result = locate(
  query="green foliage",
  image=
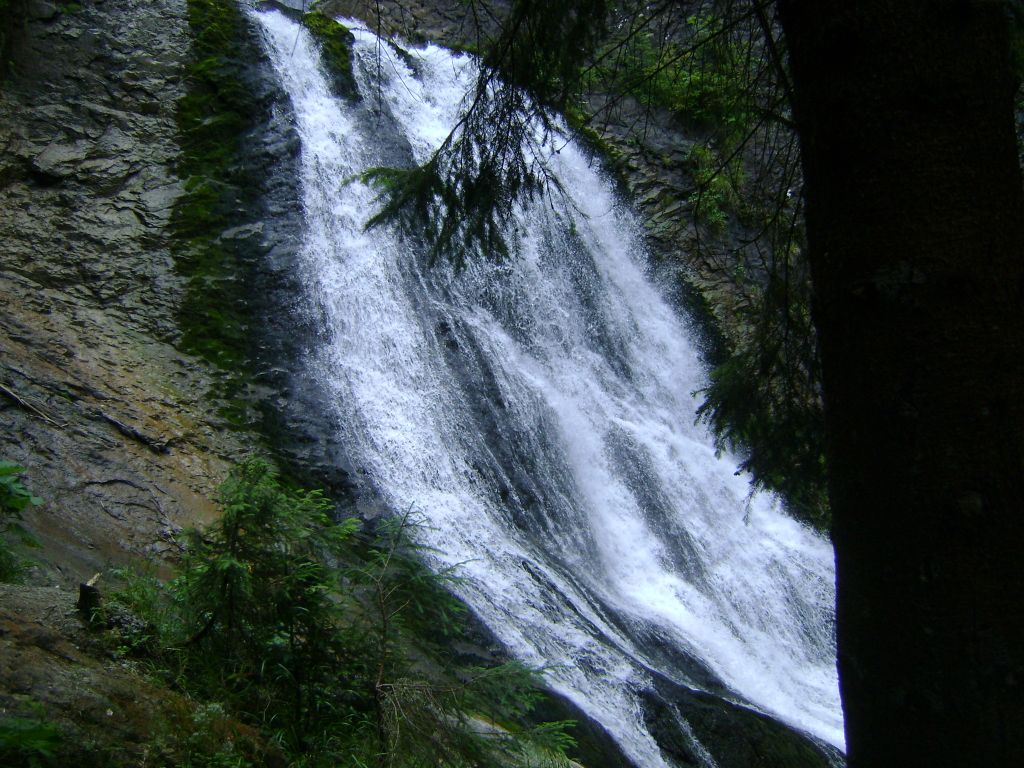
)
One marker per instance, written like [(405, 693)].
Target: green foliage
[(259, 599), (431, 724), (218, 105), (140, 615), (456, 212), (15, 498), (433, 711), (460, 201), (764, 400), (333, 645), (335, 43), (702, 78), (579, 121), (718, 186), (213, 117), (215, 740), (543, 47), (28, 741), (11, 566)]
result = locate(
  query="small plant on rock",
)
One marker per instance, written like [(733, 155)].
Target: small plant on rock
[(334, 645), (14, 499)]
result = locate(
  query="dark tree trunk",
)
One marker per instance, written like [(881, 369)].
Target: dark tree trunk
[(914, 217)]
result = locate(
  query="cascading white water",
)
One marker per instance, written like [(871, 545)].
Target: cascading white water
[(539, 416)]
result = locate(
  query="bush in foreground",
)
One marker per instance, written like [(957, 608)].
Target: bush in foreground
[(332, 643)]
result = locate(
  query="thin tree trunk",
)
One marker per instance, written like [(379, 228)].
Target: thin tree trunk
[(914, 216)]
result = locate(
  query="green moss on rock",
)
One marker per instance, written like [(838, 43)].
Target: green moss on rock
[(579, 121), (335, 42), (216, 113)]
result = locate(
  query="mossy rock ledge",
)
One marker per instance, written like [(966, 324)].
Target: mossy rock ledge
[(335, 42)]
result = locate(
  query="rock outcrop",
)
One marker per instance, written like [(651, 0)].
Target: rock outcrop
[(647, 149), (121, 432), (114, 425), (72, 698)]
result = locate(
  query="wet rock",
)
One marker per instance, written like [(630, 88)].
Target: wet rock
[(60, 160), (41, 10), (691, 726), (90, 293)]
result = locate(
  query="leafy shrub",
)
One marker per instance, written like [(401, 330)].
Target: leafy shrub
[(701, 78), (763, 400), (717, 185), (28, 741), (14, 499), (330, 642)]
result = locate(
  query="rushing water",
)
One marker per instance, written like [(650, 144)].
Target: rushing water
[(539, 416)]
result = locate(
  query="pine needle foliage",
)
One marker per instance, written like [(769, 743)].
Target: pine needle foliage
[(461, 200), (718, 67), (257, 590), (766, 394), (332, 641)]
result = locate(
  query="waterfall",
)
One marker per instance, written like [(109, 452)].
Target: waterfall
[(537, 414)]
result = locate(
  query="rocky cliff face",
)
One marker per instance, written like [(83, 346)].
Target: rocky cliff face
[(646, 149), (91, 709), (121, 432), (115, 426), (119, 429)]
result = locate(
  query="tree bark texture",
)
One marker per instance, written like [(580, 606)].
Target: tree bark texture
[(916, 239)]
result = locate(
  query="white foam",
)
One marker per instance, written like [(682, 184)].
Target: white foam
[(634, 524)]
